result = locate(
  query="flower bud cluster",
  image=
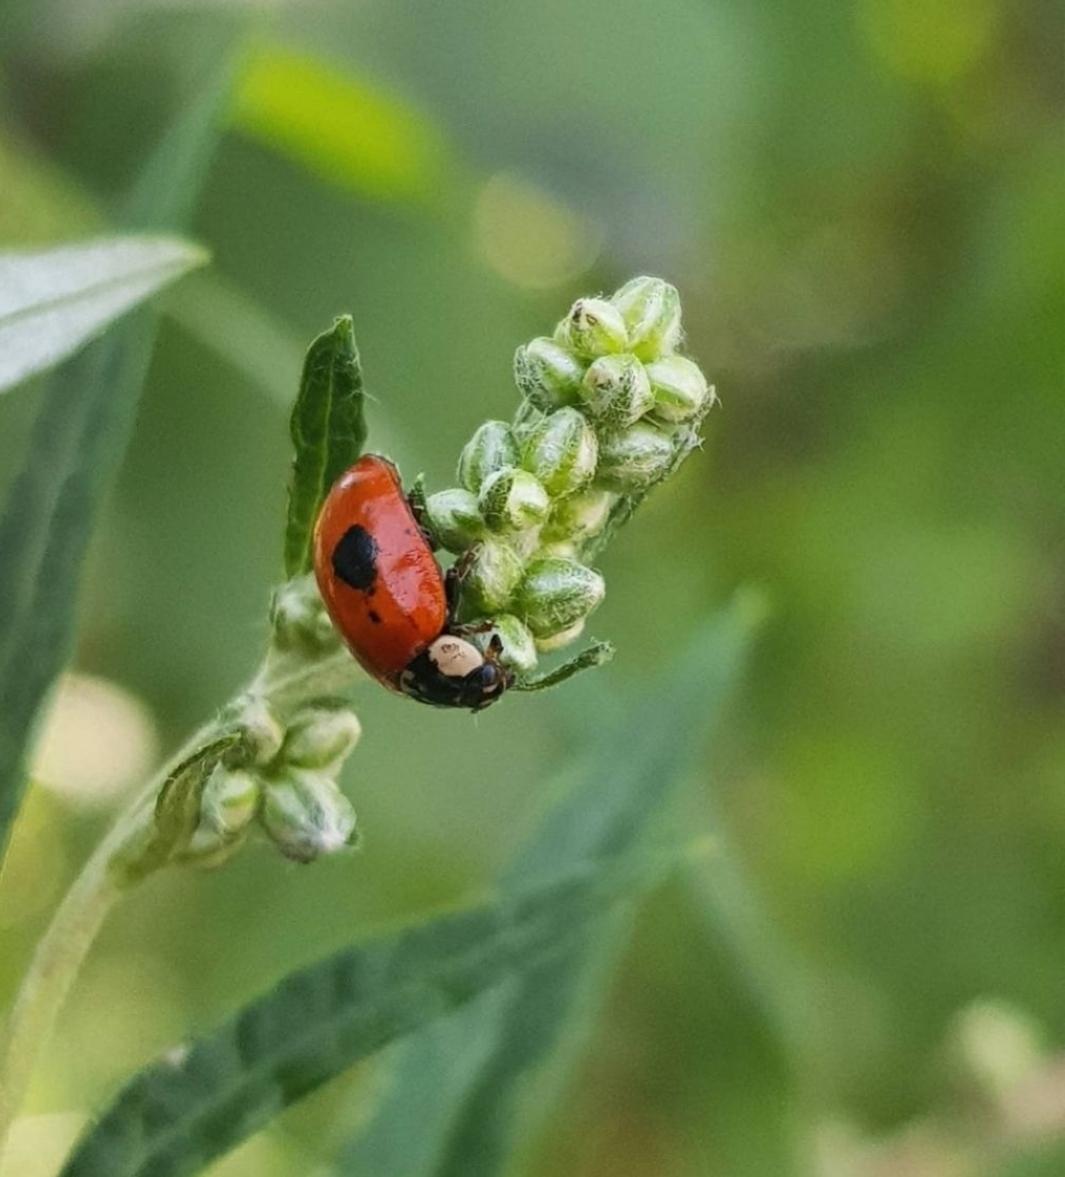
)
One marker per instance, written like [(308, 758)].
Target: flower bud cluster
[(609, 409), (284, 778)]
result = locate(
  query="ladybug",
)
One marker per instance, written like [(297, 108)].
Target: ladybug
[(389, 598)]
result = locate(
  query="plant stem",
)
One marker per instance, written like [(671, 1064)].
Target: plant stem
[(284, 681), (62, 949)]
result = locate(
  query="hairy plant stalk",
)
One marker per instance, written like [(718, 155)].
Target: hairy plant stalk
[(129, 853), (63, 947)]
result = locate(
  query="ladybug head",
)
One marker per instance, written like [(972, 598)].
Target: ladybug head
[(452, 672)]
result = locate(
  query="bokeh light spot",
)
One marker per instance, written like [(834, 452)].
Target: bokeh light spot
[(97, 741), (39, 1144), (529, 236)]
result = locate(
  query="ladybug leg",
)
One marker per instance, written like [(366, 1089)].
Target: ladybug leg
[(451, 590), (416, 502), (453, 580), (476, 627)]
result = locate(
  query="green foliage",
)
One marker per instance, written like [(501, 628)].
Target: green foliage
[(478, 1065), (328, 431), (177, 812), (338, 125), (181, 1113), (596, 654), (72, 456), (878, 295), (52, 301)]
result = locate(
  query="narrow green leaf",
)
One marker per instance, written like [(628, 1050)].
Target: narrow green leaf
[(339, 127), (177, 812), (54, 300), (179, 1114), (597, 654), (328, 430), (519, 1044), (76, 444)]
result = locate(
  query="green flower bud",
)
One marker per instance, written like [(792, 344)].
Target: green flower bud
[(489, 582), (206, 850), (561, 639), (490, 449), (261, 733), (322, 738), (306, 815), (634, 459), (547, 374), (561, 451), (593, 327), (299, 618), (519, 648), (453, 518), (228, 804), (679, 387), (559, 547), (651, 311), (229, 801), (579, 517), (513, 500), (557, 593), (616, 391)]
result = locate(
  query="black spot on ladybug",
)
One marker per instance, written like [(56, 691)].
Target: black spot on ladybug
[(355, 558), (375, 617)]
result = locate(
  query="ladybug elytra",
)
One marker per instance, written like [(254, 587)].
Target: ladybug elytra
[(388, 597)]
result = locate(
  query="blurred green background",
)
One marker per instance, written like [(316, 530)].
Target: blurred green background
[(861, 205)]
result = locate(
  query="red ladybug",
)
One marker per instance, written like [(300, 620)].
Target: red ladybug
[(387, 595)]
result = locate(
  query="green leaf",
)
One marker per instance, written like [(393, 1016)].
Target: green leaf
[(177, 813), (77, 441), (481, 1062), (40, 202), (339, 127), (597, 654), (179, 1114), (54, 300), (328, 430)]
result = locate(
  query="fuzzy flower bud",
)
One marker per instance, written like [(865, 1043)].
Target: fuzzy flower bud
[(679, 387), (547, 373), (519, 648), (593, 327), (513, 500), (561, 451), (306, 815), (490, 580), (558, 641), (490, 449), (229, 800), (579, 517), (651, 312), (454, 519), (559, 547), (616, 391), (228, 804), (299, 618), (261, 732), (634, 459), (556, 593), (321, 738)]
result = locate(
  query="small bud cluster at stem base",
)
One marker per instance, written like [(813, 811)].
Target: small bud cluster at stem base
[(283, 776), (609, 409)]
